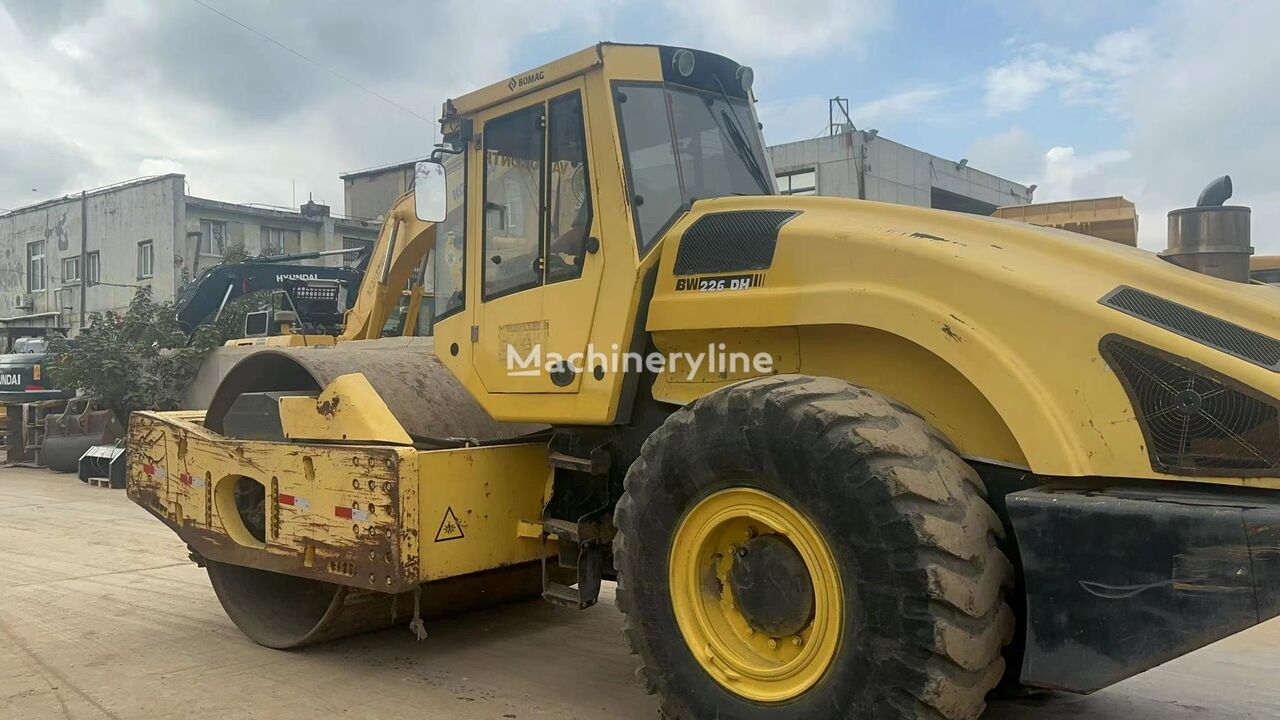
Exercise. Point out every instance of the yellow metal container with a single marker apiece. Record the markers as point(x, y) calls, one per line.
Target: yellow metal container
point(1109, 218)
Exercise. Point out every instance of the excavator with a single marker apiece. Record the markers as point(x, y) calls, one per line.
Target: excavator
point(843, 459)
point(305, 307)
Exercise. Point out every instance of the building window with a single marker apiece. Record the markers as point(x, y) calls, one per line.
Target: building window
point(281, 241)
point(146, 259)
point(213, 237)
point(93, 268)
point(71, 269)
point(35, 266)
point(352, 243)
point(800, 182)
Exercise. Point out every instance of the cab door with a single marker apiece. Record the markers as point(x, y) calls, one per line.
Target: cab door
point(539, 258)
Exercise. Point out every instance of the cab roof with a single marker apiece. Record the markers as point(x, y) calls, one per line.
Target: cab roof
point(626, 61)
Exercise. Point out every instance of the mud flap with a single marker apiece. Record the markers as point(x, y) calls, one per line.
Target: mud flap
point(1121, 580)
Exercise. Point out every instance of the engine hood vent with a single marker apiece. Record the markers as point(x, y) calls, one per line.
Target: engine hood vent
point(1195, 325)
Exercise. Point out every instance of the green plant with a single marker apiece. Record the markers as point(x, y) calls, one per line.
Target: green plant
point(136, 360)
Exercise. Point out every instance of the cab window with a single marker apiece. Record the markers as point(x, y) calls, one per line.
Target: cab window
point(513, 175)
point(448, 262)
point(568, 188)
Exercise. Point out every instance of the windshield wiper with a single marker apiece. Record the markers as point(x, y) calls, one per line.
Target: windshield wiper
point(738, 139)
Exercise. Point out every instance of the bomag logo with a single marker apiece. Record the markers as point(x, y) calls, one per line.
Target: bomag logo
point(526, 80)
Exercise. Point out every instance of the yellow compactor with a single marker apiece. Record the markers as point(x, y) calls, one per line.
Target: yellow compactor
point(844, 459)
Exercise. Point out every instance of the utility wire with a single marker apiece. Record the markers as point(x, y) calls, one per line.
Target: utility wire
point(317, 63)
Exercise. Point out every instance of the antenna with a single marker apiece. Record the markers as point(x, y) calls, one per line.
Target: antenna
point(837, 109)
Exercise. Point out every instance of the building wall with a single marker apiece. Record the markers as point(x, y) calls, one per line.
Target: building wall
point(370, 194)
point(118, 218)
point(894, 172)
point(245, 226)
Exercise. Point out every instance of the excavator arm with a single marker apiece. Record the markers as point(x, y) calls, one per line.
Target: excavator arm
point(403, 245)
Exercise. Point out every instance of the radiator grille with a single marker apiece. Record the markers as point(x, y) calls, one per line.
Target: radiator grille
point(731, 241)
point(1195, 421)
point(1195, 325)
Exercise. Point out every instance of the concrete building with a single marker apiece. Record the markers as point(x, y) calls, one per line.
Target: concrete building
point(852, 164)
point(864, 164)
point(370, 193)
point(62, 259)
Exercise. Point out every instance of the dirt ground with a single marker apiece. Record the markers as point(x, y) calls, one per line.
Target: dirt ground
point(103, 616)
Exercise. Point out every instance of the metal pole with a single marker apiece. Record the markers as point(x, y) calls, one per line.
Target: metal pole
point(84, 254)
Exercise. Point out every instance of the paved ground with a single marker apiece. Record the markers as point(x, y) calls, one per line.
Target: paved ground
point(102, 616)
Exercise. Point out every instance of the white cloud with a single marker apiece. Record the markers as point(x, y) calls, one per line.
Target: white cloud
point(97, 91)
point(1060, 173)
point(1089, 77)
point(1068, 174)
point(1192, 110)
point(886, 110)
point(1011, 154)
point(801, 118)
point(1012, 87)
point(751, 31)
point(791, 119)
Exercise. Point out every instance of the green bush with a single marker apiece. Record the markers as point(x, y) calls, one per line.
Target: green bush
point(138, 360)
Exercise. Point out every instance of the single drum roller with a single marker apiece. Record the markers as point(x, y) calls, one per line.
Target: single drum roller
point(280, 610)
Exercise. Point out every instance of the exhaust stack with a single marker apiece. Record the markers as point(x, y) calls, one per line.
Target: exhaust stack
point(1212, 237)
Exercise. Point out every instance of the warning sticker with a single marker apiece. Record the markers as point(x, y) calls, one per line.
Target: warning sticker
point(450, 528)
point(522, 337)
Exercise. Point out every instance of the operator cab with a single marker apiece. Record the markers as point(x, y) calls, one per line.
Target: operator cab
point(552, 190)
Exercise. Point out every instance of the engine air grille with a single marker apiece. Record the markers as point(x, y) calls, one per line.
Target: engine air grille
point(731, 241)
point(1195, 325)
point(1195, 421)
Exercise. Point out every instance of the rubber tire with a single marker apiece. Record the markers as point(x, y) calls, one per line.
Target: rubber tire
point(915, 541)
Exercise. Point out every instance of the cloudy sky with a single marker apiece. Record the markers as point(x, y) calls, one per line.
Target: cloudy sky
point(1084, 98)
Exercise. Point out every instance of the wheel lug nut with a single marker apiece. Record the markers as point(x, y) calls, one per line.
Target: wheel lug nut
point(750, 533)
point(750, 630)
point(733, 549)
point(797, 641)
point(773, 643)
point(742, 552)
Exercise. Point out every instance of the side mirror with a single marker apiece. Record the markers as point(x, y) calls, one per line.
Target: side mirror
point(430, 196)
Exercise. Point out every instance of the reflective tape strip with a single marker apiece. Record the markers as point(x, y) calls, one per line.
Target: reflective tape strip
point(153, 471)
point(293, 501)
point(351, 513)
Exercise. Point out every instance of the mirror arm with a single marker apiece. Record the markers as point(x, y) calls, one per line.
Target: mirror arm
point(441, 150)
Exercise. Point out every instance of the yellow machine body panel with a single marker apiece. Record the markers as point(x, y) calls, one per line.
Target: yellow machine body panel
point(349, 409)
point(282, 341)
point(597, 307)
point(988, 328)
point(401, 249)
point(383, 518)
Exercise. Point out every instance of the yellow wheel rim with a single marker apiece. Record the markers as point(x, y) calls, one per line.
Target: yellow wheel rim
point(744, 660)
